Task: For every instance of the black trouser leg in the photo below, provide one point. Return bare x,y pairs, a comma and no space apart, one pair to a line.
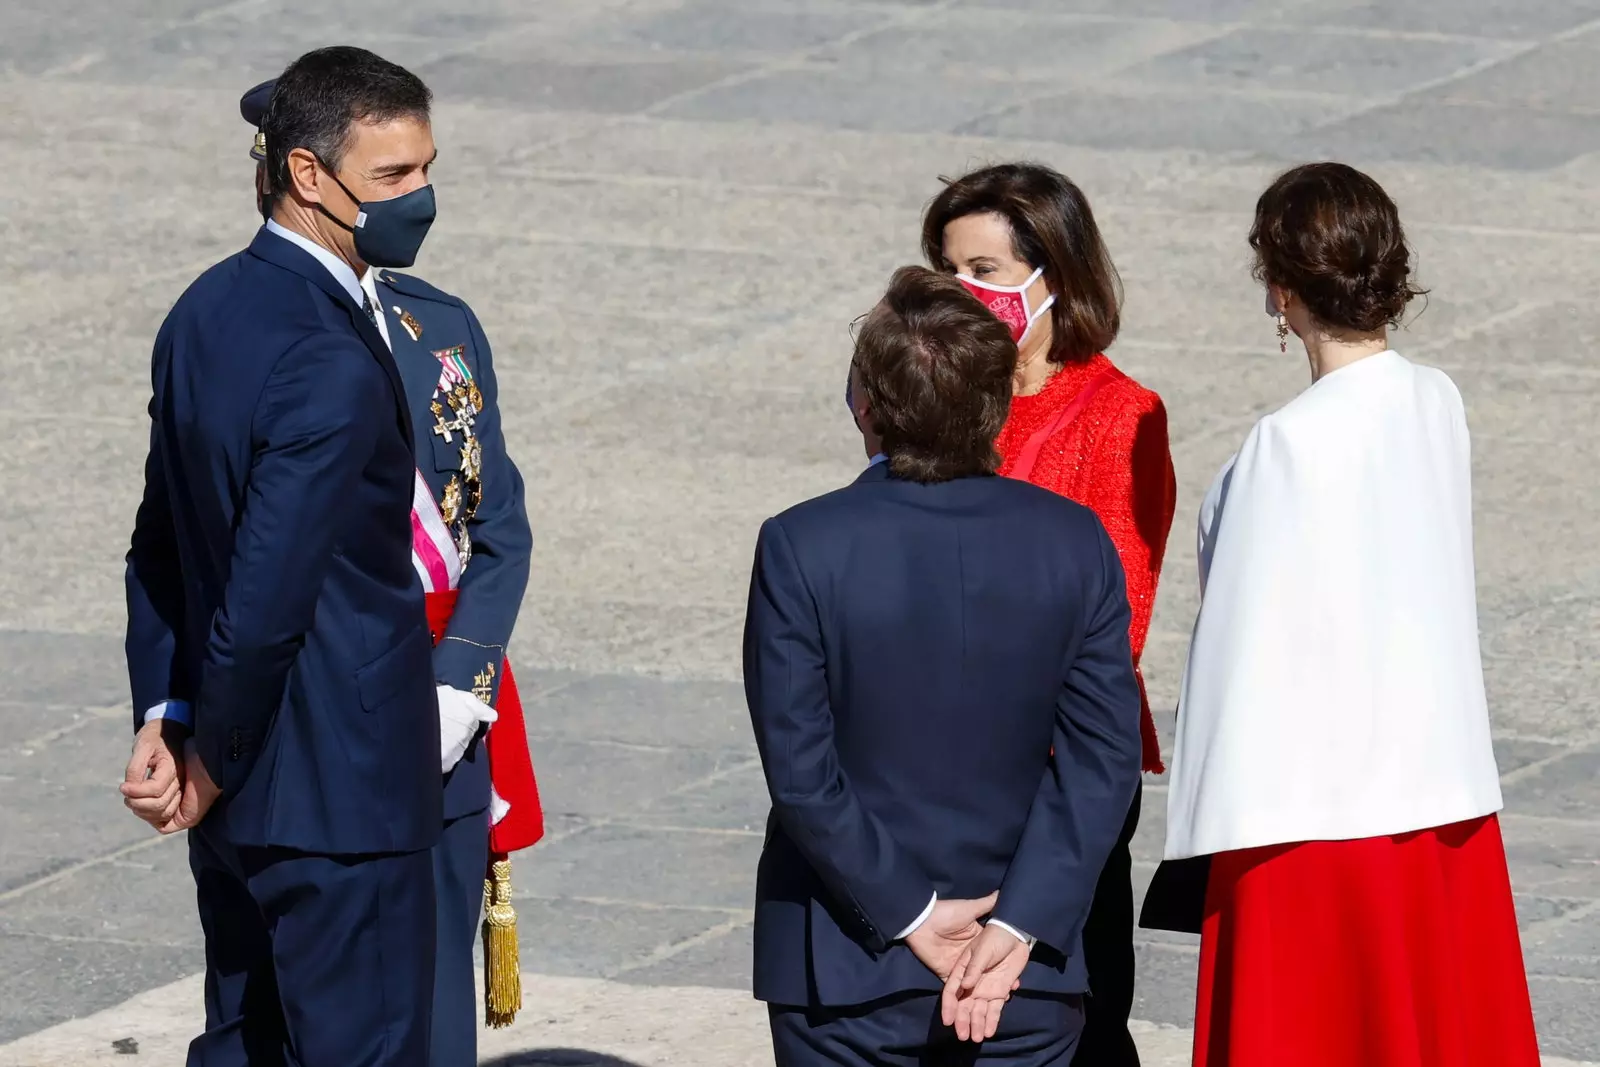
1108,953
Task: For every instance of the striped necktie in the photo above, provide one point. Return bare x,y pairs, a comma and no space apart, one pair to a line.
366,305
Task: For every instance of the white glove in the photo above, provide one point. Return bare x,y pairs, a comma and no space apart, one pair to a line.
459,716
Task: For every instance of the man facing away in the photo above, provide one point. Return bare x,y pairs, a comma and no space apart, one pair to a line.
470,547
273,607
937,668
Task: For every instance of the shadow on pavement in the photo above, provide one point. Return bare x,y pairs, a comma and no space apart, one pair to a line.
558,1057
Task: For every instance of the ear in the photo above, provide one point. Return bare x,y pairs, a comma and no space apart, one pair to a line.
863,413
1280,299
305,176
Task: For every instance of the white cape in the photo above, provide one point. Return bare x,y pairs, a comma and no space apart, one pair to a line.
1334,688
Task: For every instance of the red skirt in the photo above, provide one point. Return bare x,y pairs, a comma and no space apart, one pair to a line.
1385,952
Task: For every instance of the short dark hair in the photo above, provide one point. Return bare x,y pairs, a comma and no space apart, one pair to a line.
936,367
323,94
1053,227
1330,235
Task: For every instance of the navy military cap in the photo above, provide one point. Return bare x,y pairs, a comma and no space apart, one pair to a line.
253,105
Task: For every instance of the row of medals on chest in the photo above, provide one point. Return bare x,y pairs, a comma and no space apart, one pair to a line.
462,494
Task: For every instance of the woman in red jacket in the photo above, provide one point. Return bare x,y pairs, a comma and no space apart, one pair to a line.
1022,238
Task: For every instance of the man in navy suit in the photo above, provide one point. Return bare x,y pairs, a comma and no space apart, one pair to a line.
471,547
937,667
273,606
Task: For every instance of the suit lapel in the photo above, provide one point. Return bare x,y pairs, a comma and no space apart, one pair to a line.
275,250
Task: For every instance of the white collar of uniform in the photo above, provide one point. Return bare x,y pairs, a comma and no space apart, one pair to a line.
335,266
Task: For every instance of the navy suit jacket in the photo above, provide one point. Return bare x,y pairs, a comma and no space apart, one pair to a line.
944,700
269,578
497,574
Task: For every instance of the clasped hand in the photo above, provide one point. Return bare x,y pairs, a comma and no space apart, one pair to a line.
980,965
166,784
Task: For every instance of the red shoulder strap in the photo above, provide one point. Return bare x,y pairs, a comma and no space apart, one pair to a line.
1035,444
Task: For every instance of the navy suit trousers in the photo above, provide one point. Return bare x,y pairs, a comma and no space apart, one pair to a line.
459,861
906,1031
313,960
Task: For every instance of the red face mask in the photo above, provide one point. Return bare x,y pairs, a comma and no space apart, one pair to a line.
1009,303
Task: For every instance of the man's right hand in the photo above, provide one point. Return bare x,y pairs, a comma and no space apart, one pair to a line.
152,785
946,933
199,793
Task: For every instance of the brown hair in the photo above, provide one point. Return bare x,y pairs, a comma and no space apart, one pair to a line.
1330,235
1052,227
936,368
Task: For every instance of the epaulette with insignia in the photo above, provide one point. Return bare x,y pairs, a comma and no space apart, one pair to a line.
417,288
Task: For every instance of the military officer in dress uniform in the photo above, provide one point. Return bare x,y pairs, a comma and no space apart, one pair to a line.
470,547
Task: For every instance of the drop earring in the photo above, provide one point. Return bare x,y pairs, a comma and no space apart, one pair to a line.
1283,334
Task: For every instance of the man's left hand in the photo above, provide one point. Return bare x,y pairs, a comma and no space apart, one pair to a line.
983,979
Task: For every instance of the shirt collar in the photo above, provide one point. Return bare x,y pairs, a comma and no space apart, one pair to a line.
335,266
879,458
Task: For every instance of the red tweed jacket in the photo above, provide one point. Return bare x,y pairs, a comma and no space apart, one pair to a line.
1113,458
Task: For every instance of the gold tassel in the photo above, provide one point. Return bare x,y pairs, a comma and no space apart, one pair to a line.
502,974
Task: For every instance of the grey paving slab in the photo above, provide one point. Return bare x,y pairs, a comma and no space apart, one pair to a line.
599,86
852,99
723,961
1196,10
1558,77
637,865
1562,1006
144,898
44,37
1552,857
600,939
228,47
1285,59
62,668
1454,134
735,801
49,980
1568,786
1203,122
964,45
692,715
632,775
1483,18
725,27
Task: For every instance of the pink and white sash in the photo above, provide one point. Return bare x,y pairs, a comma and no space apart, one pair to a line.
433,550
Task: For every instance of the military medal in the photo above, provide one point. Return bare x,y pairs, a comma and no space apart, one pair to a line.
443,427
450,506
471,458
409,321
453,369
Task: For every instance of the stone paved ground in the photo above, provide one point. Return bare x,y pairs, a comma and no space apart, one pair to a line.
666,212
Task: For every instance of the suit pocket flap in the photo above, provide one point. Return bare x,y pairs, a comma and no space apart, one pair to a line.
405,663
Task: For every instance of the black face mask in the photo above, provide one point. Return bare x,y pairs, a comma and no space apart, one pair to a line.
388,233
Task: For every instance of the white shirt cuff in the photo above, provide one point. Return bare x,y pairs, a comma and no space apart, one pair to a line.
1014,932
176,710
919,920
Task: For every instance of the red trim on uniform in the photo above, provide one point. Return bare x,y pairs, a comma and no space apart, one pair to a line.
510,763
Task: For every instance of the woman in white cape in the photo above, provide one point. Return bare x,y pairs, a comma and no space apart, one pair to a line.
1333,752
